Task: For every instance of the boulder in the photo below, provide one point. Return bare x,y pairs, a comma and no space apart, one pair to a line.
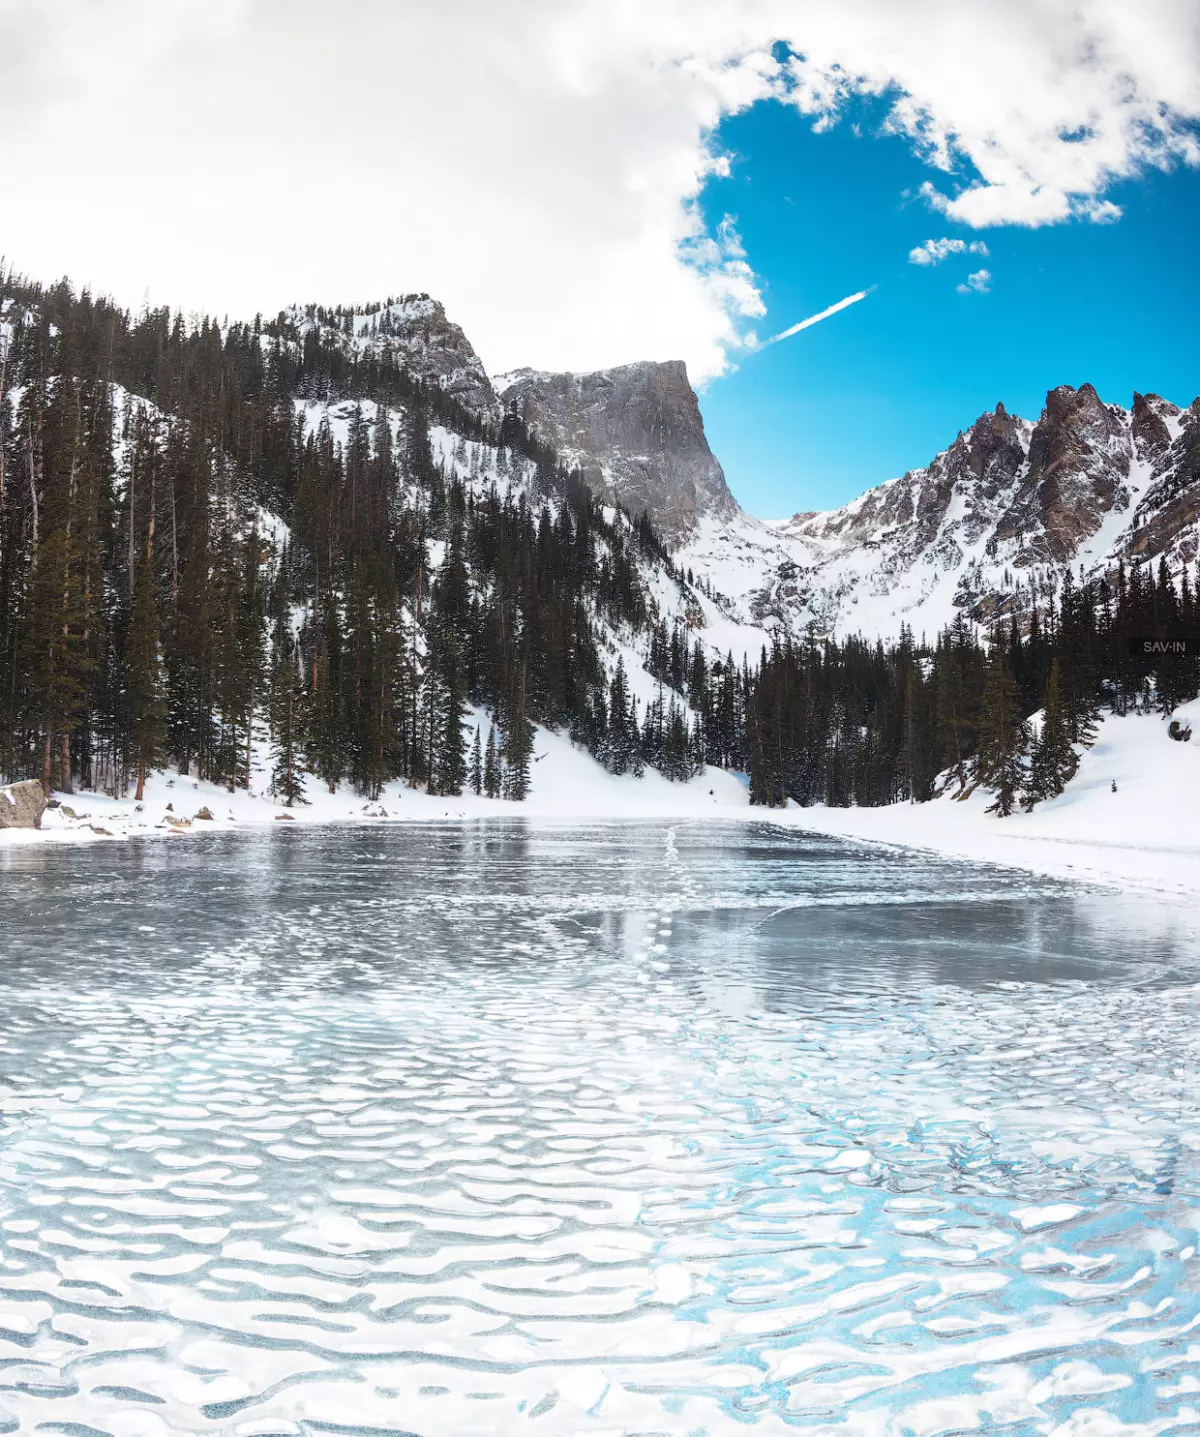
22,805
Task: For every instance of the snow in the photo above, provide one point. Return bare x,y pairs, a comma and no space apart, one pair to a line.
272,528
1145,837
566,783
871,567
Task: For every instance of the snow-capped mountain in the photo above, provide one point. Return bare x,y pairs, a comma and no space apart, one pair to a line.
636,433
986,529
414,330
363,535
983,530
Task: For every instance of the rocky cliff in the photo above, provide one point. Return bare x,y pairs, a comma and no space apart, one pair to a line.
637,434
985,530
415,329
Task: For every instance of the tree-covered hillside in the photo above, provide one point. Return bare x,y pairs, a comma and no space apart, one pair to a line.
215,536
194,545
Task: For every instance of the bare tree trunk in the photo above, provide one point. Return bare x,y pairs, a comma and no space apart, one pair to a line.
291,735
141,782
47,751
72,490
34,498
174,548
3,392
132,491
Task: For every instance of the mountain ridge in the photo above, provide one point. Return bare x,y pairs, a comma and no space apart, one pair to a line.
637,434
985,529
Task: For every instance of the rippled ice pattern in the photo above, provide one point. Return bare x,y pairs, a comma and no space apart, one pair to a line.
599,1129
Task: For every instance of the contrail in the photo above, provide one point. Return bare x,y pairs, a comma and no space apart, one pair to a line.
817,318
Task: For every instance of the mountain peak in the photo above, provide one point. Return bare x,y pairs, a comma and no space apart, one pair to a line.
636,432
415,329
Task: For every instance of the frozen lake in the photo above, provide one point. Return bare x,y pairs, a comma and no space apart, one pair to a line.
614,1129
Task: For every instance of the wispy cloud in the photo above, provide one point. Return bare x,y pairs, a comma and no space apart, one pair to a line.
934,251
816,318
978,283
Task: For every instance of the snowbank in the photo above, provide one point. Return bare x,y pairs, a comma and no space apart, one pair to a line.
1145,836
566,783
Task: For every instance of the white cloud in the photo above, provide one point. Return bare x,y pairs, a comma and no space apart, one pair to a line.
934,251
1100,212
978,283
535,163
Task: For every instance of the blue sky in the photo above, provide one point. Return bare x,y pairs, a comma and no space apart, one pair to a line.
568,239
881,387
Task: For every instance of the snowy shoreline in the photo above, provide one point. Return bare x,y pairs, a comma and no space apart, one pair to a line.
1145,837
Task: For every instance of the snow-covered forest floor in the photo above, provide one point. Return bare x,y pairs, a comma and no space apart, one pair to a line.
1146,835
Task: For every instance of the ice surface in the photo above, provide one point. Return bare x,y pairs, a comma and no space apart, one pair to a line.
616,1128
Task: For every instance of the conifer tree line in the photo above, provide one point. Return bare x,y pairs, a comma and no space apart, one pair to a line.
861,723
190,571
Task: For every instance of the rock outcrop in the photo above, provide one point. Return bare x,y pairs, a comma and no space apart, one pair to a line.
415,330
985,530
637,435
1167,519
435,349
1079,457
22,805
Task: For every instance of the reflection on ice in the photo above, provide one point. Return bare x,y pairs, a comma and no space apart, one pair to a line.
616,1129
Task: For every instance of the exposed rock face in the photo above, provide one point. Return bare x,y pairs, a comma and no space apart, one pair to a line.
1079,456
637,434
986,529
415,329
980,468
1149,416
437,350
22,805
1167,520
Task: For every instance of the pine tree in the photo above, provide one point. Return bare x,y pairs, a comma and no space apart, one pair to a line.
622,753
1053,762
491,767
1076,650
327,751
917,760
146,699
288,711
1002,735
450,764
476,764
958,681
518,742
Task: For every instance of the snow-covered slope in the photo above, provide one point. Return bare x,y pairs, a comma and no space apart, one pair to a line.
986,529
413,329
566,782
1141,835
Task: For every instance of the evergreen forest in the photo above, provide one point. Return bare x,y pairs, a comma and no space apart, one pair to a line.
193,569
